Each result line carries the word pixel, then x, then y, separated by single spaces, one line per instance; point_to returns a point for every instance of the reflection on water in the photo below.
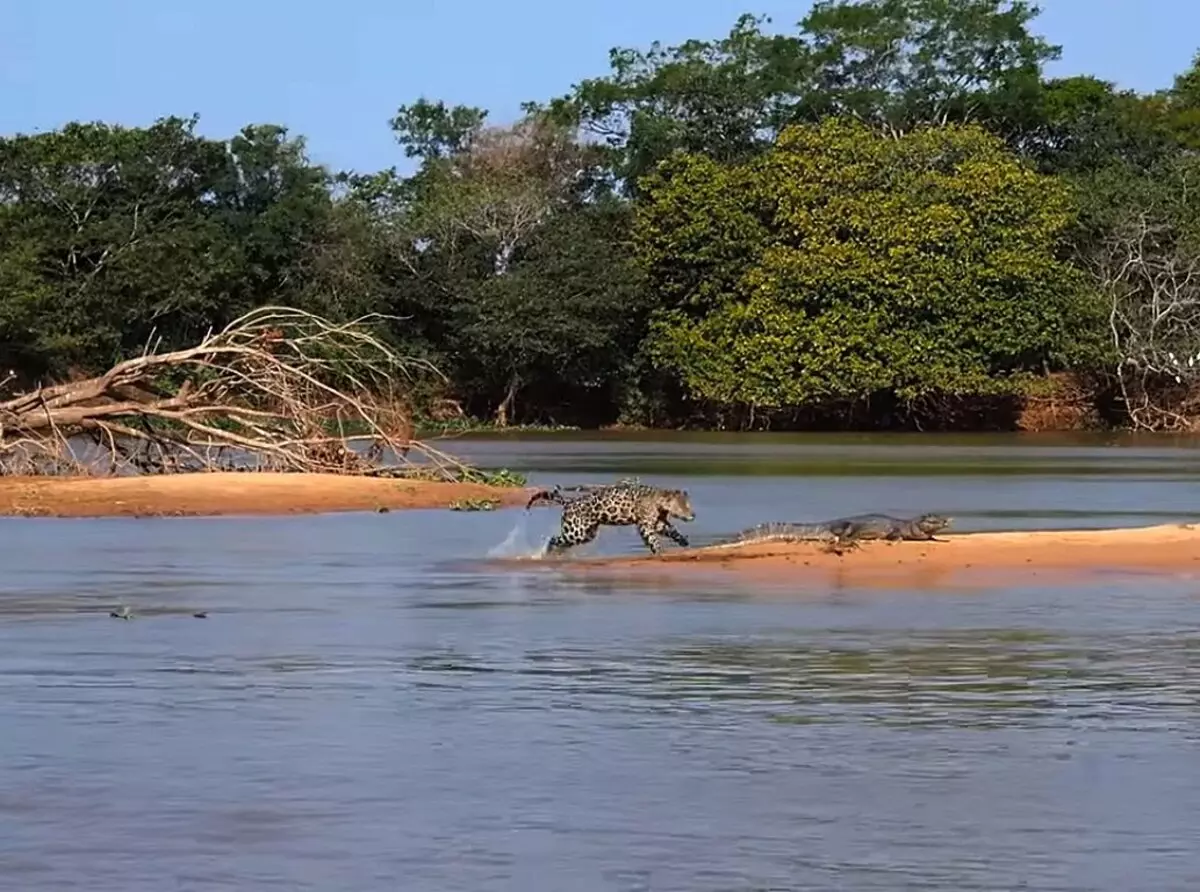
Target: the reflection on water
pixel 373 704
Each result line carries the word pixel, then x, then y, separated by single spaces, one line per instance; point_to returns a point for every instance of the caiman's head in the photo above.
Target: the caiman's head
pixel 677 504
pixel 932 524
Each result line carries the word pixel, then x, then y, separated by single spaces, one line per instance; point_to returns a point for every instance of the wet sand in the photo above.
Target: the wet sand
pixel 233 493
pixel 966 560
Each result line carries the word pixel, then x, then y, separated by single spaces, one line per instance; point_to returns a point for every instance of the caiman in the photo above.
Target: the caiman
pixel 922 528
pixel 824 532
pixel 844 533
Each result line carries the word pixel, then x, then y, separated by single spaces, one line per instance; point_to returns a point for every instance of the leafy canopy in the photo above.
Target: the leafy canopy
pixel 845 263
pixel 893 63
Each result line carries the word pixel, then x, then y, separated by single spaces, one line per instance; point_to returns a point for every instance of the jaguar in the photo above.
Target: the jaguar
pixel 648 508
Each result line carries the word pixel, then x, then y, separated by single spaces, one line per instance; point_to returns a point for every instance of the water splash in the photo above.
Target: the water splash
pixel 517 543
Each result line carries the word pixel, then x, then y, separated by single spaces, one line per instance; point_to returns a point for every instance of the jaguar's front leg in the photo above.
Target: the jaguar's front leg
pixel 649 536
pixel 666 529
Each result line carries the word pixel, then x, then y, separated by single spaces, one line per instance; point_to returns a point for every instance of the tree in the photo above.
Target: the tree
pixel 1143 248
pixel 519 265
pixel 720 97
pixel 100 239
pixel 113 239
pixel 892 63
pixel 1183 102
pixel 844 264
pixel 562 326
pixel 1079 125
pixel 898 64
pixel 501 188
pixel 430 130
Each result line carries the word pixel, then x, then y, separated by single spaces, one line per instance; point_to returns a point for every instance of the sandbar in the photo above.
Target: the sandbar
pixel 232 493
pixel 964 559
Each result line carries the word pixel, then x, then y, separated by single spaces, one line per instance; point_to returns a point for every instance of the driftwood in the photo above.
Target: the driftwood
pixel 277 389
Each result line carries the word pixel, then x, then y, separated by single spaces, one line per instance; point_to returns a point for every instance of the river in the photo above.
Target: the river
pixel 370 703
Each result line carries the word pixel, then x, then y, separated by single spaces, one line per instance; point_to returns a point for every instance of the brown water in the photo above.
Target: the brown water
pixel 371 704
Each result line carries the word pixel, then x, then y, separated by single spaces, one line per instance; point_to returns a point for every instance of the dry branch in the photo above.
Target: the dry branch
pixel 277 389
pixel 1152 281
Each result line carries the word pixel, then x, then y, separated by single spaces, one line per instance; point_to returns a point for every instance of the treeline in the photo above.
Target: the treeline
pixel 888 217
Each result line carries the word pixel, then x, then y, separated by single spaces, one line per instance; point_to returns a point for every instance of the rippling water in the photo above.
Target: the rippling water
pixel 370 704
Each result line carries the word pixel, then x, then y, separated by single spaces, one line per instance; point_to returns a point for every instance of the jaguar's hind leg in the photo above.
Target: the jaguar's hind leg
pixel 572 535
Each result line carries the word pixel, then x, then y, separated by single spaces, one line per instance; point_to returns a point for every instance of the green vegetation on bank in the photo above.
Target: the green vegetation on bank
pixel 887 216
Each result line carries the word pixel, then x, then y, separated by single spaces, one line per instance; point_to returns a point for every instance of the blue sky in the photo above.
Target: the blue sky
pixel 336 72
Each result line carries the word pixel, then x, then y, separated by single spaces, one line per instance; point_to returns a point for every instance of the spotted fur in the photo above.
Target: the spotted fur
pixel 648 508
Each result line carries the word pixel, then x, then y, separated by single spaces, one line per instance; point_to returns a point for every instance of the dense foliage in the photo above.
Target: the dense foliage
pixel 889 205
pixel 855 264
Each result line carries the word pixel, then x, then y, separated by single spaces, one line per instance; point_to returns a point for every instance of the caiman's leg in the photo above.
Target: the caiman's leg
pixel 840 545
pixel 843 538
pixel 665 529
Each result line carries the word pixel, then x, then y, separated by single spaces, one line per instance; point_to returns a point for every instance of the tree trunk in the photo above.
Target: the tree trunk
pixel 503 257
pixel 504 410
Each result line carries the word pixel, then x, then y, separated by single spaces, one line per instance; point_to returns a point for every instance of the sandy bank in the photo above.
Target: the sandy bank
pixel 966 559
pixel 232 493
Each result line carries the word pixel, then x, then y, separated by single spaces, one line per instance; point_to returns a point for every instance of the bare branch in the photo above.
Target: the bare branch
pixel 1151 280
pixel 266 389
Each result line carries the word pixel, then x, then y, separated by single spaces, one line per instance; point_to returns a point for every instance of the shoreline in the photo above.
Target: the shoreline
pixel 967 560
pixel 258 493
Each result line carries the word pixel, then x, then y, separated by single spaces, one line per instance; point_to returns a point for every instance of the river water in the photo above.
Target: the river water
pixel 372 704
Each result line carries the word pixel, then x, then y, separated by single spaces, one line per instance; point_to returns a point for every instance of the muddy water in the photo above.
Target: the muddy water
pixel 370 705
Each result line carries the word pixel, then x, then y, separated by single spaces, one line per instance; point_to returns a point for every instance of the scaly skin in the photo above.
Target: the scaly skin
pixel 834 540
pixel 923 528
pixel 844 533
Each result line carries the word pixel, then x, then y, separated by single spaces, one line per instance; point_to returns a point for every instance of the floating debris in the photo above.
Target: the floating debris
pixel 474 505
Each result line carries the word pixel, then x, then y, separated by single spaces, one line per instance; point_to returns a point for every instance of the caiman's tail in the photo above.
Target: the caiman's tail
pixel 778 532
pixel 763 532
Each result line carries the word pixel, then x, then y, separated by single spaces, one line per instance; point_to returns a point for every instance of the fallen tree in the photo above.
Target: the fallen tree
pixel 278 389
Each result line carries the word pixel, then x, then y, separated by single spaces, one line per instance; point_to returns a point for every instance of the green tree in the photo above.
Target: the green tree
pixel 553 338
pixel 100 239
pixel 428 130
pixel 1183 102
pixel 844 264
pixel 902 63
pixel 113 239
pixel 893 63
pixel 516 265
pixel 276 208
pixel 501 188
pixel 1081 124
